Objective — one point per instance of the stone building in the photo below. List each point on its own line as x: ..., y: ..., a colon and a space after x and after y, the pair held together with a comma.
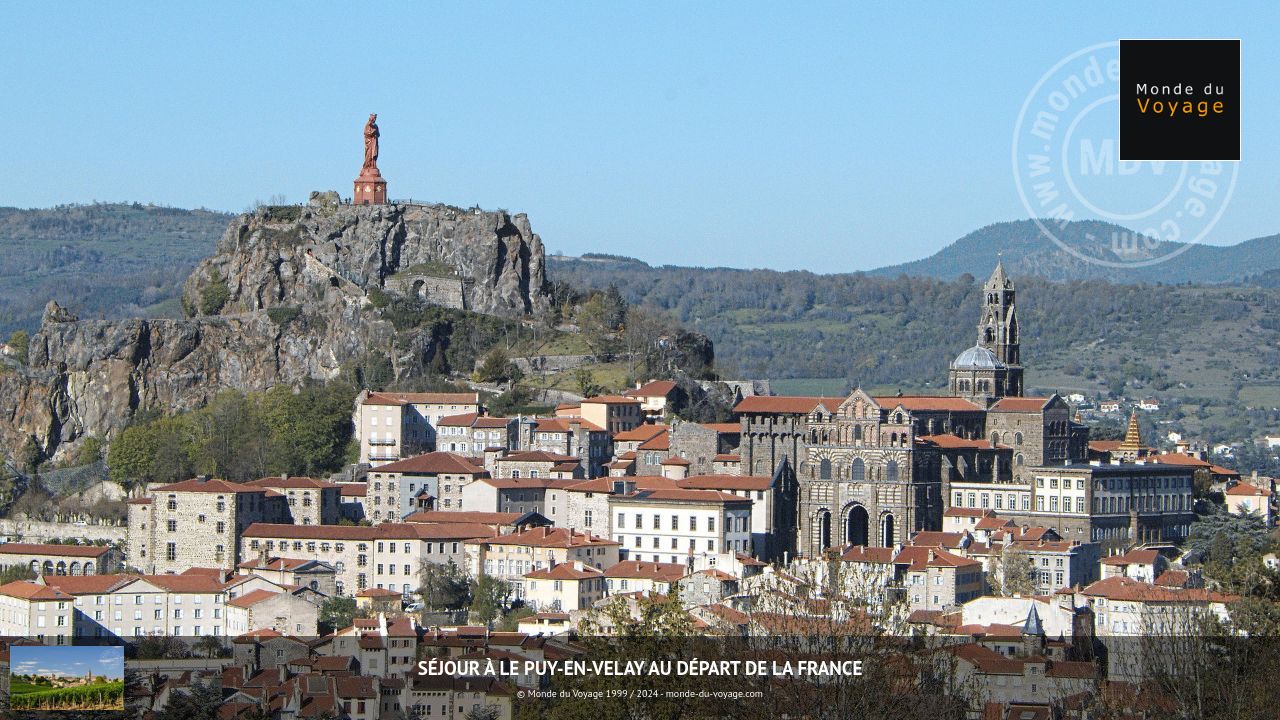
x: 196, y: 523
x: 872, y: 470
x: 310, y: 501
x: 56, y: 559
x: 395, y: 425
x: 395, y: 490
x: 702, y: 443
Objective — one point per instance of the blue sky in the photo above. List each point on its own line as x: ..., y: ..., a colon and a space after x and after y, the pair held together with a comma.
x: 107, y: 661
x: 830, y: 137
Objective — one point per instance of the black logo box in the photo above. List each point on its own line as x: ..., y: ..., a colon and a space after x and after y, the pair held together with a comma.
x: 1205, y: 73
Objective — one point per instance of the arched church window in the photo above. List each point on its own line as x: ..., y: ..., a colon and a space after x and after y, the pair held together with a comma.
x: 857, y: 432
x: 1017, y: 438
x: 824, y: 469
x: 858, y: 470
x: 891, y: 471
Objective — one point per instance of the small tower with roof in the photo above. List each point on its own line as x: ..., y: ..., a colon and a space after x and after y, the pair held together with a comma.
x: 1132, y: 448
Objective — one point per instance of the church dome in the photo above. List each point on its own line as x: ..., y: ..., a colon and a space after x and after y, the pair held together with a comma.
x: 977, y: 357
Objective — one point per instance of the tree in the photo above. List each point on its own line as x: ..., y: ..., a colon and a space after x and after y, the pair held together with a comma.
x: 20, y: 344
x: 209, y: 645
x: 489, y: 597
x: 338, y: 611
x: 30, y: 455
x: 496, y: 366
x: 90, y: 451
x: 483, y: 712
x: 585, y: 382
x: 444, y: 587
x: 1019, y: 572
x: 199, y: 702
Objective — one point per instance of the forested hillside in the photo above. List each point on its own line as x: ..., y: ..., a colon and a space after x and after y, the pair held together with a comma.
x: 113, y: 260
x: 1213, y: 350
x: 1026, y: 250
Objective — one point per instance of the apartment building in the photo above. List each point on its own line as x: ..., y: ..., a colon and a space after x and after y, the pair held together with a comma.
x: 575, y: 437
x: 196, y: 523
x: 392, y: 425
x: 310, y: 501
x: 33, y: 610
x: 510, y: 557
x: 473, y: 434
x: 614, y: 413
x: 423, y: 482
x: 564, y: 588
x: 678, y: 525
x: 300, y: 572
x: 534, y: 464
x: 640, y: 576
x: 388, y: 556
x: 771, y: 516
x: 935, y: 579
x: 585, y: 505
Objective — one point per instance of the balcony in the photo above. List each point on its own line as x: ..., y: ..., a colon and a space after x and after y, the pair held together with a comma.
x: 383, y: 441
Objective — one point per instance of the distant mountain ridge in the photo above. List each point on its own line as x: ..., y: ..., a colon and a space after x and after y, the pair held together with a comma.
x: 1025, y: 251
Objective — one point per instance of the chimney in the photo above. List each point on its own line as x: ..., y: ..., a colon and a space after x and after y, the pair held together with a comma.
x: 284, y: 476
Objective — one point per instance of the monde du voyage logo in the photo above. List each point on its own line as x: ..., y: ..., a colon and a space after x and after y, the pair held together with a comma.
x: 1142, y: 134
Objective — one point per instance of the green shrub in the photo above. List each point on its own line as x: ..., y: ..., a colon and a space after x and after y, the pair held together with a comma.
x: 379, y: 298
x: 214, y: 296
x: 283, y: 315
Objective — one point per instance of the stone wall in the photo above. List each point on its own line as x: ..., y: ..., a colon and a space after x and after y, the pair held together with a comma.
x: 36, y: 531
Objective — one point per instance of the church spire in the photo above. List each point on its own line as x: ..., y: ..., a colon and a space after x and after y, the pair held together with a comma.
x: 1132, y: 447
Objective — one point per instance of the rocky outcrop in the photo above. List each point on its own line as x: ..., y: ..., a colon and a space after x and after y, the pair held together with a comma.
x: 295, y: 305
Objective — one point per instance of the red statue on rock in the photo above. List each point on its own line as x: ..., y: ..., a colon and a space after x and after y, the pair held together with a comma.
x: 371, y: 189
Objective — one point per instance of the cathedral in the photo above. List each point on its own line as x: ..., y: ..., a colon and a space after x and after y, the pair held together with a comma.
x: 872, y: 470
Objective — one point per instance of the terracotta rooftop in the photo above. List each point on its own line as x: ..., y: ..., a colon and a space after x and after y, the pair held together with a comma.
x: 1122, y: 588
x: 547, y: 537
x: 353, y: 489
x: 89, y: 551
x: 611, y: 400
x: 538, y: 456
x: 653, y: 388
x: 292, y: 482
x: 605, y: 484
x: 948, y: 441
x: 640, y: 433
x: 661, y: 441
x: 253, y: 597
x: 32, y: 591
x: 400, y: 398
x: 463, y: 516
x: 566, y: 571
x: 432, y: 463
x: 209, y: 486
x: 1020, y: 404
x: 727, y: 482
x: 683, y: 495
x: 661, y: 572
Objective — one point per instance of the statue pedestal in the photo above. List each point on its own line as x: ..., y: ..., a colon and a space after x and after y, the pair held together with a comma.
x: 370, y: 189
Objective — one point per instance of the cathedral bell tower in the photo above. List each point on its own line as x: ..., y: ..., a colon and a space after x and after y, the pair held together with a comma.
x: 991, y: 369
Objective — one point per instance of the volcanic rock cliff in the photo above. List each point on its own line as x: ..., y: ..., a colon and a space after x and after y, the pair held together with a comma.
x: 288, y: 295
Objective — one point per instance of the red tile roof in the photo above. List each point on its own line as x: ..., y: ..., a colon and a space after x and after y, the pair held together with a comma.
x: 32, y: 591
x: 1020, y: 404
x: 1241, y: 489
x: 676, y: 460
x: 1127, y: 589
x: 88, y: 584
x: 292, y: 481
x: 566, y: 571
x: 89, y: 551
x: 640, y: 433
x: 377, y: 593
x: 209, y: 486
x: 784, y: 404
x: 948, y: 441
x: 653, y: 388
x: 463, y: 516
x: 432, y: 463
x: 727, y: 482
x: 402, y: 398
x: 611, y: 400
x: 1138, y: 557
x: 635, y: 569
x: 564, y: 425
x: 253, y: 597
x: 927, y: 402
x: 724, y: 428
x: 661, y: 441
x: 353, y: 489
x: 547, y: 537
x: 684, y: 495
x: 605, y: 484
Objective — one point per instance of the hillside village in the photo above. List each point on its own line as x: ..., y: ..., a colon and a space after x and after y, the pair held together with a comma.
x: 981, y: 519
